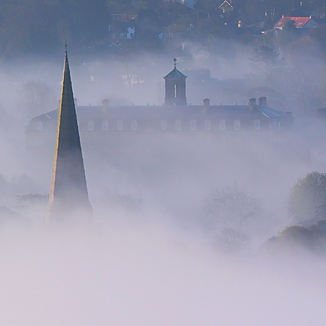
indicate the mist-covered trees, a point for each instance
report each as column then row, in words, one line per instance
column 308, row 198
column 231, row 216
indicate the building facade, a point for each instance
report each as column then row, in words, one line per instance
column 174, row 116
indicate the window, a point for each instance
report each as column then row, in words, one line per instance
column 178, row 125
column 119, row 125
column 236, row 125
column 39, row 126
column 207, row 125
column 164, row 125
column 91, row 125
column 270, row 125
column 256, row 124
column 134, row 125
column 105, row 125
column 222, row 125
column 193, row 125
column 273, row 124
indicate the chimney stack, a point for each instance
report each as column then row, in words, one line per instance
column 252, row 103
column 262, row 101
column 206, row 102
column 105, row 105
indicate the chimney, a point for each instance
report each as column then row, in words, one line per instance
column 252, row 103
column 206, row 102
column 105, row 105
column 262, row 101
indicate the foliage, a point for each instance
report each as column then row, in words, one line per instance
column 267, row 54
column 231, row 209
column 42, row 26
column 231, row 217
column 308, row 198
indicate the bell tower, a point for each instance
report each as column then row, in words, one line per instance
column 175, row 87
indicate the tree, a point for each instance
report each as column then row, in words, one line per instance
column 231, row 216
column 308, row 198
column 266, row 54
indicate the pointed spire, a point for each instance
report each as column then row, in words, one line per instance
column 69, row 193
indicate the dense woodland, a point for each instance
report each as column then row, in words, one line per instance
column 42, row 26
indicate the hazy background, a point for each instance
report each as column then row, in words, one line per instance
column 180, row 221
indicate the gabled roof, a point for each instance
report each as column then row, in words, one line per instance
column 225, row 3
column 299, row 22
column 175, row 74
column 270, row 113
column 226, row 6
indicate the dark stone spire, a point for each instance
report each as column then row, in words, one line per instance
column 69, row 193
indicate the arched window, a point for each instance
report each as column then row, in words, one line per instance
column 236, row 125
column 164, row 125
column 207, row 125
column 222, row 125
column 119, row 125
column 256, row 124
column 177, row 125
column 91, row 125
column 193, row 125
column 105, row 125
column 134, row 125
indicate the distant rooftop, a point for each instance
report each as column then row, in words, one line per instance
column 299, row 22
column 175, row 73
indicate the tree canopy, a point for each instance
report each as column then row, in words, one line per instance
column 308, row 198
column 42, row 26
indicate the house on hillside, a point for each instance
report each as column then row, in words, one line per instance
column 188, row 3
column 226, row 6
column 298, row 22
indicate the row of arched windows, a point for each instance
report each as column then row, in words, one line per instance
column 176, row 125
column 169, row 125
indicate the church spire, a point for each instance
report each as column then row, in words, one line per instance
column 69, row 193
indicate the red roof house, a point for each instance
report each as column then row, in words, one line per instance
column 299, row 22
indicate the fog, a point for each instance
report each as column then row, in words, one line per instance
column 161, row 248
column 129, row 274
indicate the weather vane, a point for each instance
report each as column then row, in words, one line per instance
column 175, row 62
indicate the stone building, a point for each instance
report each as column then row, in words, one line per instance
column 174, row 116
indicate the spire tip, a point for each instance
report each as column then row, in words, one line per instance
column 66, row 49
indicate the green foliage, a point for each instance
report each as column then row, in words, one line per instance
column 308, row 198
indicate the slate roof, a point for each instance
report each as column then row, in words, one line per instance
column 225, row 4
column 175, row 74
column 164, row 112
